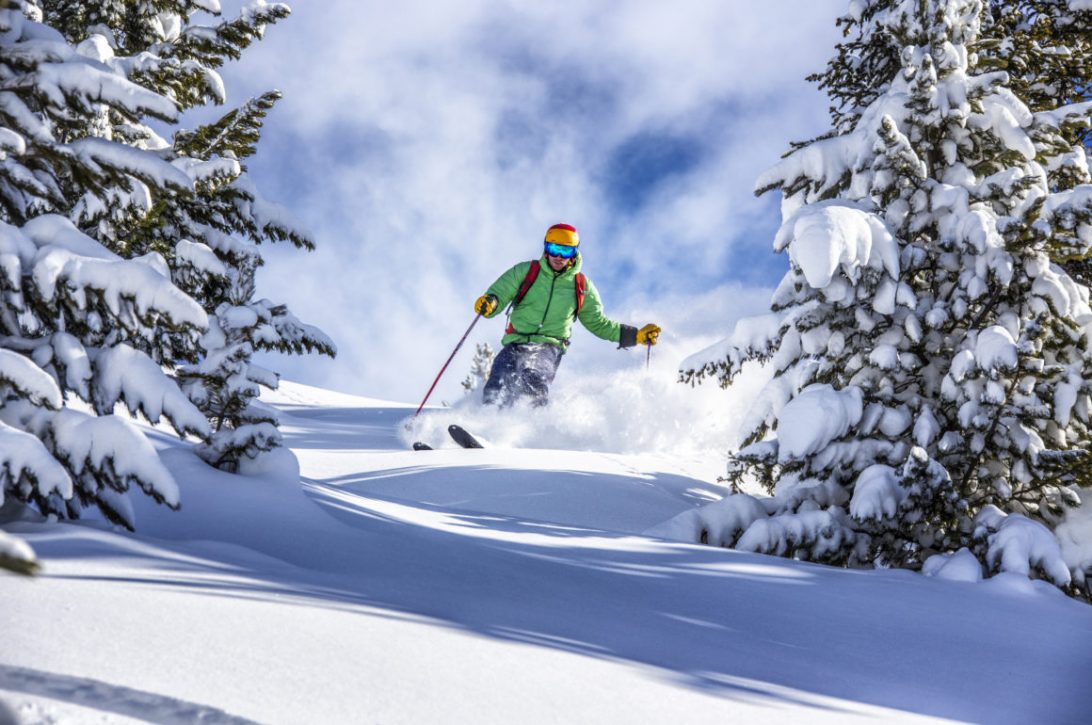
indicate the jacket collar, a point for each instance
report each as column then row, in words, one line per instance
column 569, row 271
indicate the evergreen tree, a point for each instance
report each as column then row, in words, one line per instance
column 76, row 318
column 1046, row 48
column 216, row 259
column 226, row 382
column 209, row 237
column 931, row 387
column 479, row 368
column 114, row 242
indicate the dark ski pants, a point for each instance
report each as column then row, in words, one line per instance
column 522, row 370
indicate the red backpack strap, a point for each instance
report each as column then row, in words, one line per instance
column 581, row 287
column 528, row 280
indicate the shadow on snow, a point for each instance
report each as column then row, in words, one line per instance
column 742, row 626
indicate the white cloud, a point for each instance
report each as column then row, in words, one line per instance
column 429, row 144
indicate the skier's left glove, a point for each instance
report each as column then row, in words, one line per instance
column 647, row 335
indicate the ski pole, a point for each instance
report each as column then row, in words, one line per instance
column 465, row 335
column 648, row 356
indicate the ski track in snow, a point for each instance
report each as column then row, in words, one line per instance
column 426, row 576
column 103, row 696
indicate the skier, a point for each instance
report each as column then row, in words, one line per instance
column 546, row 296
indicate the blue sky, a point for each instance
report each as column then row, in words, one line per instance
column 428, row 145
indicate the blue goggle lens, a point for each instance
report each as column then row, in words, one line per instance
column 560, row 250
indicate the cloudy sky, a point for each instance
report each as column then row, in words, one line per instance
column 428, row 144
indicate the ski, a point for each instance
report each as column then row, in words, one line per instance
column 464, row 439
column 458, row 434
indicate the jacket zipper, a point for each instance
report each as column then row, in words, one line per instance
column 549, row 301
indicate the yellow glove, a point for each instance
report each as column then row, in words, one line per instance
column 486, row 305
column 647, row 335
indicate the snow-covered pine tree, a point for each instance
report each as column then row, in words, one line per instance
column 1046, row 48
column 183, row 51
column 208, row 238
column 930, row 350
column 226, row 382
column 76, row 317
column 216, row 259
column 479, row 367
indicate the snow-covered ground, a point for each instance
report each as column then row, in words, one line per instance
column 509, row 584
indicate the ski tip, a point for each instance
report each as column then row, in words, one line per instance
column 419, row 446
column 462, row 437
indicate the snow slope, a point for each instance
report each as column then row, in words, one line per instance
column 498, row 585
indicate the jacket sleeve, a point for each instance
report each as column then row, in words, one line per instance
column 598, row 324
column 507, row 285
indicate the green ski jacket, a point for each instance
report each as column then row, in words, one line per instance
column 547, row 311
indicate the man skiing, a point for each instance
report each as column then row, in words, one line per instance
column 546, row 296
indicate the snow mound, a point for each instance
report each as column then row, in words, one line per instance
column 717, row 524
column 279, row 464
column 1075, row 537
column 1021, row 546
column 961, row 566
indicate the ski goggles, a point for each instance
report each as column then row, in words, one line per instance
column 560, row 250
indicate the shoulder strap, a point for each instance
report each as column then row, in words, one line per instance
column 525, row 285
column 581, row 287
column 528, row 280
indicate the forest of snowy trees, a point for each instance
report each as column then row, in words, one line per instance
column 128, row 249
column 932, row 388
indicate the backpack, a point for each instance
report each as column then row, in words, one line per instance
column 529, row 279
